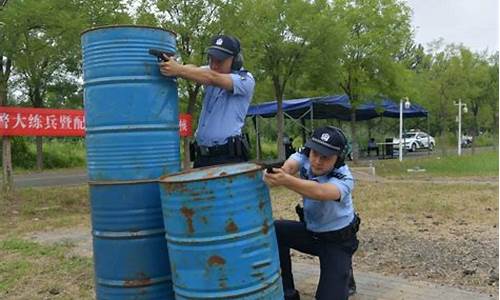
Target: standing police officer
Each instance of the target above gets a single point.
(328, 221)
(228, 92)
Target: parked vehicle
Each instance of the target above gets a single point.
(466, 141)
(415, 140)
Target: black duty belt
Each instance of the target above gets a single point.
(338, 235)
(236, 146)
(213, 150)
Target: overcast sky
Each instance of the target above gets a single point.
(474, 23)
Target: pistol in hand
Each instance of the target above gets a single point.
(270, 164)
(161, 55)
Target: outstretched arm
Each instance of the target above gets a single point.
(200, 75)
(307, 188)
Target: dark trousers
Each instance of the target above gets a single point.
(335, 258)
(372, 148)
(205, 161)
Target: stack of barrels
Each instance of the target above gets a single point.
(220, 241)
(131, 114)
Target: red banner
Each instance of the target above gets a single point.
(185, 125)
(17, 121)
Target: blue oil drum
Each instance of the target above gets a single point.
(132, 138)
(131, 110)
(130, 250)
(220, 234)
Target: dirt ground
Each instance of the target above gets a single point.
(449, 248)
(444, 232)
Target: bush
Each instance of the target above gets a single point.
(269, 150)
(446, 140)
(22, 157)
(65, 153)
(485, 139)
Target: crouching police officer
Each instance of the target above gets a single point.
(328, 220)
(228, 92)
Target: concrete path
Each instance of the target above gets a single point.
(372, 286)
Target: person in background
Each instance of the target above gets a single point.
(287, 144)
(228, 93)
(328, 223)
(372, 145)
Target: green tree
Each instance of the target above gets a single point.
(379, 30)
(282, 39)
(40, 58)
(441, 87)
(492, 95)
(195, 22)
(476, 71)
(48, 46)
(457, 73)
(8, 42)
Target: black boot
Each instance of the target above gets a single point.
(352, 285)
(292, 295)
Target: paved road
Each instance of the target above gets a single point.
(51, 178)
(422, 153)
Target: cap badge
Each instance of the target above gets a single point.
(219, 42)
(325, 137)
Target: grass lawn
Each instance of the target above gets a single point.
(481, 164)
(30, 270)
(377, 202)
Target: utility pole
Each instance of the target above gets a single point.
(407, 105)
(459, 120)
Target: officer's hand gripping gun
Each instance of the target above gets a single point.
(161, 55)
(270, 164)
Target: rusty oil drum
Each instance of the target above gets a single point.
(220, 233)
(132, 139)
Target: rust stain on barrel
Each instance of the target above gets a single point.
(142, 281)
(216, 260)
(188, 213)
(251, 175)
(265, 227)
(231, 227)
(262, 204)
(223, 285)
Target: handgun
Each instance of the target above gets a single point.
(270, 164)
(160, 54)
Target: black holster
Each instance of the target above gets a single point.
(300, 212)
(339, 235)
(192, 151)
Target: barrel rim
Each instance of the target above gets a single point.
(121, 182)
(127, 26)
(164, 179)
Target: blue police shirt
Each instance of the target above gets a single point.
(223, 112)
(322, 216)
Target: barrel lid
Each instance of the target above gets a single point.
(212, 172)
(127, 26)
